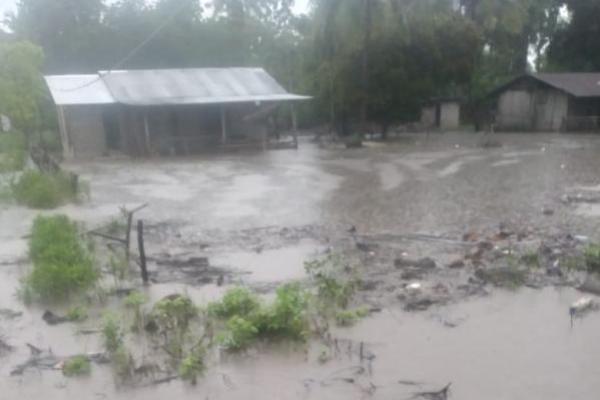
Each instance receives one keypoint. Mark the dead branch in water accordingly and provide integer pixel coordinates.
(439, 395)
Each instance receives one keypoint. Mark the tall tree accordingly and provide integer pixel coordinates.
(576, 45)
(67, 30)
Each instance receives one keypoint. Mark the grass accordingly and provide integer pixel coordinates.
(44, 190)
(122, 363)
(12, 152)
(77, 366)
(592, 257)
(62, 266)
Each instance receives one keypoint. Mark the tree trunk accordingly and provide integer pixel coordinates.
(365, 63)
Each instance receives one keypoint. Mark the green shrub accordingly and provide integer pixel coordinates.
(77, 366)
(174, 313)
(237, 301)
(240, 333)
(592, 257)
(44, 190)
(112, 335)
(287, 316)
(77, 314)
(192, 365)
(61, 264)
(12, 152)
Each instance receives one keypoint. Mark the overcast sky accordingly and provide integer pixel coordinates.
(9, 5)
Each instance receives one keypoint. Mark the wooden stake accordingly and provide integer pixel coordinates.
(140, 232)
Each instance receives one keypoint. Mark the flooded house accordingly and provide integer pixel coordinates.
(167, 112)
(548, 102)
(441, 113)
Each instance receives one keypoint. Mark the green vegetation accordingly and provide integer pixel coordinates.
(112, 334)
(239, 335)
(77, 366)
(44, 190)
(237, 301)
(61, 265)
(285, 318)
(592, 257)
(531, 259)
(350, 317)
(134, 302)
(77, 314)
(333, 291)
(122, 363)
(12, 152)
(192, 365)
(172, 316)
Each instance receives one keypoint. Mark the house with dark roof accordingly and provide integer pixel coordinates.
(166, 112)
(548, 102)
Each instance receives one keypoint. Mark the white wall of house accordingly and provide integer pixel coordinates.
(82, 131)
(449, 115)
(540, 110)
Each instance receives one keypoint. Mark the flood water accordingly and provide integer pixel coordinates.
(261, 215)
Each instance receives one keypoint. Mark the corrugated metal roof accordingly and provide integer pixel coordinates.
(195, 86)
(577, 84)
(78, 89)
(170, 86)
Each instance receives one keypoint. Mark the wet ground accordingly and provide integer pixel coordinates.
(255, 218)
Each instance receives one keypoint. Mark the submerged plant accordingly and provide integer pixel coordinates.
(237, 301)
(592, 257)
(122, 363)
(77, 366)
(350, 317)
(77, 314)
(134, 301)
(192, 365)
(240, 333)
(287, 316)
(112, 334)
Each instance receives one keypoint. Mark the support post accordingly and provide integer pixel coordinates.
(64, 134)
(146, 134)
(140, 232)
(223, 125)
(294, 125)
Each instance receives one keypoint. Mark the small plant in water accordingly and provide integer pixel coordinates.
(592, 257)
(531, 259)
(77, 366)
(239, 335)
(134, 302)
(350, 317)
(122, 363)
(77, 314)
(112, 334)
(237, 301)
(193, 365)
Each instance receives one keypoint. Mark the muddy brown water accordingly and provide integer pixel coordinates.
(509, 345)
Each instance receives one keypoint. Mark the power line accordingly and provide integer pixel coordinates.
(133, 52)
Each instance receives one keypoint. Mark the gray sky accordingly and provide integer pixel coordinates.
(9, 5)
